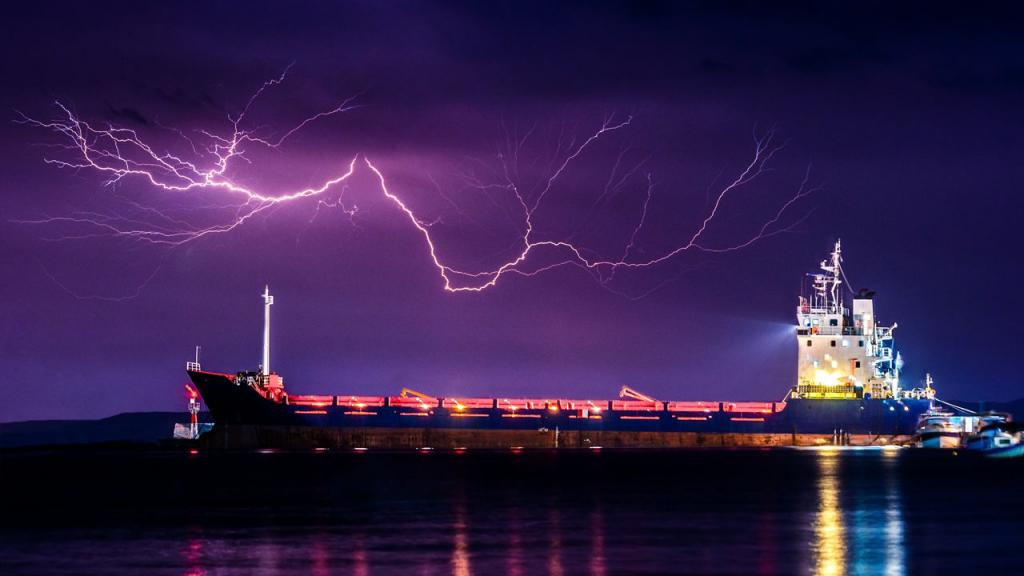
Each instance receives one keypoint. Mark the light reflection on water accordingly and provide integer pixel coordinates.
(515, 543)
(554, 531)
(460, 551)
(828, 512)
(860, 533)
(829, 529)
(360, 562)
(597, 567)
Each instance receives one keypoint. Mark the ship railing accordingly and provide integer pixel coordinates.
(414, 402)
(820, 391)
(733, 407)
(637, 406)
(192, 367)
(310, 400)
(829, 331)
(550, 404)
(369, 404)
(594, 406)
(823, 310)
(699, 406)
(360, 401)
(748, 407)
(460, 404)
(514, 404)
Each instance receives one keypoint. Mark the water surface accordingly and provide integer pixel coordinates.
(592, 512)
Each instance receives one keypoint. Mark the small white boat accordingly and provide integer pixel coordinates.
(938, 428)
(998, 439)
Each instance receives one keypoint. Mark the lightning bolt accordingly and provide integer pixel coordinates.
(120, 153)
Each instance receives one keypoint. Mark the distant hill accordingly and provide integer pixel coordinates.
(140, 427)
(1014, 407)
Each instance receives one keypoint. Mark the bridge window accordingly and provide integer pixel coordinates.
(833, 322)
(833, 343)
(860, 343)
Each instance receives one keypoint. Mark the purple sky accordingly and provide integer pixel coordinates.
(909, 119)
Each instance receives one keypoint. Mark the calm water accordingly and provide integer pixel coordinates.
(598, 512)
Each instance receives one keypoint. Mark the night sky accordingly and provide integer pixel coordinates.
(908, 120)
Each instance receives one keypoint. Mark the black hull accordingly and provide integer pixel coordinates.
(240, 405)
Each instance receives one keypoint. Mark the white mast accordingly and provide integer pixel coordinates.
(826, 286)
(837, 281)
(268, 301)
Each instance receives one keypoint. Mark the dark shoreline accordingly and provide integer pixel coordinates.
(154, 429)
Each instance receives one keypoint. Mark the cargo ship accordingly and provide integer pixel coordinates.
(847, 393)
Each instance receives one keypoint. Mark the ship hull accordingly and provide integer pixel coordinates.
(255, 421)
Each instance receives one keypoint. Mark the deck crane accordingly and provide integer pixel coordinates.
(426, 400)
(409, 392)
(627, 392)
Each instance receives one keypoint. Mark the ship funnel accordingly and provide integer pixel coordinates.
(268, 301)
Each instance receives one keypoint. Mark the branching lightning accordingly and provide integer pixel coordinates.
(120, 153)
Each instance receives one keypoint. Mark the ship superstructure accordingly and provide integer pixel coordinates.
(845, 353)
(847, 391)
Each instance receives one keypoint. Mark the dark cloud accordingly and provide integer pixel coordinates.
(127, 114)
(187, 99)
